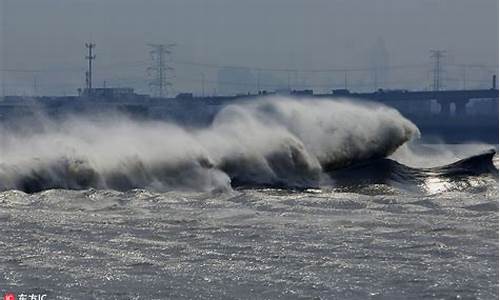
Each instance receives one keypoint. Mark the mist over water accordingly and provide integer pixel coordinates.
(269, 141)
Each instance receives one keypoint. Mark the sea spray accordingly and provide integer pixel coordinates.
(270, 141)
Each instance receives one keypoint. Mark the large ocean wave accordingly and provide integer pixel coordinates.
(274, 141)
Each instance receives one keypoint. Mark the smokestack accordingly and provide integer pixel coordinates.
(494, 85)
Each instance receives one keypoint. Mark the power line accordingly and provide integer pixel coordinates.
(162, 64)
(140, 63)
(210, 65)
(63, 70)
(303, 70)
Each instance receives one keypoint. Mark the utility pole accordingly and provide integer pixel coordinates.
(35, 86)
(296, 79)
(345, 79)
(90, 57)
(159, 68)
(464, 77)
(288, 80)
(258, 81)
(437, 56)
(203, 84)
(3, 85)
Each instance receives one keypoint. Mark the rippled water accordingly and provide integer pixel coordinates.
(378, 243)
(415, 225)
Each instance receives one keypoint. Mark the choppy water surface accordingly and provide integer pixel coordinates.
(379, 242)
(275, 199)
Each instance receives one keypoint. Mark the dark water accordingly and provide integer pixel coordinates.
(427, 234)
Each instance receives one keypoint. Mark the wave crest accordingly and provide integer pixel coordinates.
(271, 141)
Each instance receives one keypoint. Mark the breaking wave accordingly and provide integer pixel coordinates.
(463, 174)
(274, 141)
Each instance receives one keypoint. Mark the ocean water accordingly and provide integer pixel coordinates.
(379, 243)
(309, 209)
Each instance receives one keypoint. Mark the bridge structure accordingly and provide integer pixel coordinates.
(412, 102)
(459, 98)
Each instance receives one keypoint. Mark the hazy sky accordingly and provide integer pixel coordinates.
(49, 35)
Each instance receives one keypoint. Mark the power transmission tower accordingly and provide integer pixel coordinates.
(437, 56)
(160, 56)
(90, 57)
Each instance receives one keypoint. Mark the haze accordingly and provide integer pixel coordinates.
(42, 43)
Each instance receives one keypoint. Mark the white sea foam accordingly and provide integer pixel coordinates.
(274, 140)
